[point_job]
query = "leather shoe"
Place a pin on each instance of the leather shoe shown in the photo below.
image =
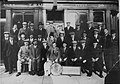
(18, 74)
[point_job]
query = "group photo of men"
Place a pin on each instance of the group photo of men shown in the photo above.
(90, 47)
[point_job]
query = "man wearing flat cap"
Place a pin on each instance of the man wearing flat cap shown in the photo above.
(85, 58)
(22, 30)
(41, 31)
(73, 54)
(5, 40)
(24, 57)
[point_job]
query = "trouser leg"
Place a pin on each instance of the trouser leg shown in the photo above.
(10, 64)
(29, 65)
(19, 66)
(6, 63)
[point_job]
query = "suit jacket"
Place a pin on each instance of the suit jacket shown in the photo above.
(15, 34)
(42, 32)
(63, 54)
(35, 52)
(11, 50)
(59, 42)
(24, 52)
(44, 53)
(73, 53)
(53, 54)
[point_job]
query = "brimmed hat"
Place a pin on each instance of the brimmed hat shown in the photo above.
(24, 23)
(62, 32)
(83, 41)
(50, 22)
(74, 42)
(68, 22)
(39, 35)
(34, 40)
(6, 32)
(26, 40)
(89, 22)
(97, 30)
(78, 24)
(31, 24)
(72, 33)
(44, 41)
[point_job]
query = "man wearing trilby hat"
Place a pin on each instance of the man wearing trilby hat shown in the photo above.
(24, 57)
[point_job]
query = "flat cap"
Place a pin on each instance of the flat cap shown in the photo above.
(74, 42)
(72, 33)
(83, 41)
(26, 40)
(24, 23)
(6, 32)
(89, 22)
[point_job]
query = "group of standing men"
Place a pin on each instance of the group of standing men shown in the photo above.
(90, 47)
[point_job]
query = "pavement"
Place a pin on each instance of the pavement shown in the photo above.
(25, 78)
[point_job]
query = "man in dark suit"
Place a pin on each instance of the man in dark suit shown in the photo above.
(60, 39)
(85, 56)
(68, 29)
(4, 46)
(97, 58)
(11, 53)
(73, 55)
(31, 31)
(63, 54)
(107, 49)
(90, 29)
(35, 57)
(43, 57)
(41, 31)
(14, 32)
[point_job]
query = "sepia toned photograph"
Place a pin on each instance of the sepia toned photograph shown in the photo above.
(59, 42)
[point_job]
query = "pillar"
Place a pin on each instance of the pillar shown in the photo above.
(36, 18)
(8, 20)
(90, 15)
(108, 20)
(44, 18)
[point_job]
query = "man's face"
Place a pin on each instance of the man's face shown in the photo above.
(40, 26)
(15, 27)
(26, 43)
(64, 44)
(61, 35)
(54, 45)
(114, 34)
(44, 44)
(11, 38)
(68, 24)
(31, 36)
(78, 27)
(82, 43)
(23, 37)
(6, 35)
(24, 26)
(106, 31)
(31, 26)
(74, 44)
(35, 42)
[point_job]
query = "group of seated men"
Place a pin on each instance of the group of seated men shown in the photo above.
(72, 47)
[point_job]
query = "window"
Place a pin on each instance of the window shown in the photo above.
(55, 15)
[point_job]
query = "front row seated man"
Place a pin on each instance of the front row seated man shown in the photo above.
(53, 56)
(24, 57)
